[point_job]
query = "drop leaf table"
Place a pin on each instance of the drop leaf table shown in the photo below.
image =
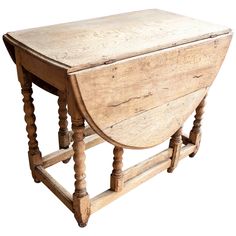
(134, 78)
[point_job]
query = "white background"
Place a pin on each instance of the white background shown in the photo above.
(197, 199)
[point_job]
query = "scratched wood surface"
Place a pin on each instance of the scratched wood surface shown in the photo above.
(140, 102)
(88, 43)
(130, 73)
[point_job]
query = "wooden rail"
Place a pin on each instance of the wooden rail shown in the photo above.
(147, 164)
(63, 154)
(133, 176)
(54, 186)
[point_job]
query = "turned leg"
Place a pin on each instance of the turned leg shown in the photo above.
(81, 202)
(175, 143)
(117, 181)
(35, 157)
(63, 133)
(195, 133)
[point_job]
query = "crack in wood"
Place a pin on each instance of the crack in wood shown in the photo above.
(130, 99)
(139, 113)
(197, 76)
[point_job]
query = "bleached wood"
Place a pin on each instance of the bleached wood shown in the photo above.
(176, 144)
(81, 201)
(108, 196)
(195, 133)
(57, 156)
(88, 43)
(117, 179)
(34, 154)
(187, 150)
(54, 186)
(92, 140)
(132, 89)
(133, 77)
(201, 49)
(63, 133)
(147, 164)
(64, 154)
(87, 132)
(153, 126)
(51, 73)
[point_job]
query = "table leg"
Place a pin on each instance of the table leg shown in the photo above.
(81, 201)
(195, 133)
(63, 133)
(175, 143)
(117, 181)
(35, 157)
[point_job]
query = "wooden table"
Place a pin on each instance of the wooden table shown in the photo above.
(135, 78)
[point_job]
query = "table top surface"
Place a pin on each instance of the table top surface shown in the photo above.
(159, 66)
(89, 43)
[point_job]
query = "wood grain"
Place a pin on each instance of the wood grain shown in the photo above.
(134, 77)
(89, 43)
(175, 143)
(147, 164)
(108, 196)
(63, 133)
(156, 125)
(51, 73)
(55, 187)
(130, 88)
(81, 202)
(34, 154)
(57, 156)
(195, 133)
(79, 158)
(64, 154)
(153, 126)
(117, 181)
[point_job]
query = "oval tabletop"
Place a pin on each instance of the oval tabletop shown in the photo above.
(136, 76)
(140, 102)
